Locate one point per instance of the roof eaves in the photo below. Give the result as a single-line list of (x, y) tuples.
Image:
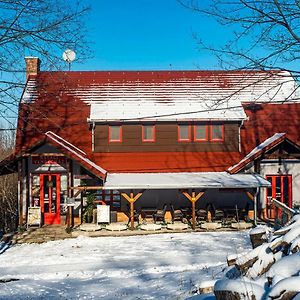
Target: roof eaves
[(256, 152)]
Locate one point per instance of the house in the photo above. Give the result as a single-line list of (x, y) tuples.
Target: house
[(145, 139)]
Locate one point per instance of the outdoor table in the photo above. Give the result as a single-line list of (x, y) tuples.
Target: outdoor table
[(147, 212)]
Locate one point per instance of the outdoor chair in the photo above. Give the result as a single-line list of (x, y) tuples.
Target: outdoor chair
[(201, 214), (216, 214), (160, 214), (243, 213), (176, 214)]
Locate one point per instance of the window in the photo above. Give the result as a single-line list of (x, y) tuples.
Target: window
[(217, 132), (115, 133), (148, 133), (184, 133), (201, 132)]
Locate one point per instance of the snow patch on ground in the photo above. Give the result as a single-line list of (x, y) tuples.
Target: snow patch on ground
[(164, 266)]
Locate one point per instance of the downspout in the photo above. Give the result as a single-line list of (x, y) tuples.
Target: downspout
[(255, 206), (93, 137), (240, 147)]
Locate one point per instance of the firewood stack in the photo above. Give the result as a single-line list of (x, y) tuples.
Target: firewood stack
[(270, 271)]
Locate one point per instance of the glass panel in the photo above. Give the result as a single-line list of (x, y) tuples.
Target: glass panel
[(184, 132), (269, 189), (217, 132), (115, 133), (286, 190), (35, 192), (46, 194), (148, 132), (54, 194), (200, 132), (278, 188)]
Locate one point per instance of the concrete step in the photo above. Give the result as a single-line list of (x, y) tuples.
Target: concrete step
[(42, 234)]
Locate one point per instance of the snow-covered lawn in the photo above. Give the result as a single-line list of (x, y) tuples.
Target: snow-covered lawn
[(162, 266)]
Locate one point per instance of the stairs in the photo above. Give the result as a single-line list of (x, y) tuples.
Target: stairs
[(41, 234)]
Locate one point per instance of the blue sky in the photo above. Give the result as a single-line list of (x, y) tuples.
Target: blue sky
[(147, 35)]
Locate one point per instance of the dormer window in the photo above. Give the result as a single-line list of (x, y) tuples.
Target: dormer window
[(217, 132), (148, 133), (115, 133), (184, 133)]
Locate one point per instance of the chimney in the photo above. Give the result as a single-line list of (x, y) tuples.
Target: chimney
[(32, 66)]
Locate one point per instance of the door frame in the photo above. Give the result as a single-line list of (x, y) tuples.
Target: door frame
[(50, 217), (272, 211)]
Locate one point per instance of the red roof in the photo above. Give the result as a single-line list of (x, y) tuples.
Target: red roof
[(48, 105), (266, 119)]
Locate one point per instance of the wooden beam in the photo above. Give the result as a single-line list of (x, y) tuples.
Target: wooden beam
[(86, 188), (131, 199), (193, 198)]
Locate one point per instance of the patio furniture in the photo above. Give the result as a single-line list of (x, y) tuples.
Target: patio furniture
[(216, 214), (176, 214), (230, 213), (201, 214), (160, 214), (147, 212), (187, 213)]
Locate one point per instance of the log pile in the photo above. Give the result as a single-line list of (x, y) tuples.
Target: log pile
[(271, 270)]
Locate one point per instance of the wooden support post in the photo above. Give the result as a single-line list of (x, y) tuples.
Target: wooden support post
[(194, 198), (254, 199), (131, 199)]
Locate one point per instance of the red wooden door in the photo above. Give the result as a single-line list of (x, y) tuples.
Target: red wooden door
[(50, 198), (281, 190)]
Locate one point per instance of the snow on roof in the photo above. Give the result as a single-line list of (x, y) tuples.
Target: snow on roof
[(173, 94), (74, 150), (182, 180), (151, 110), (268, 143)]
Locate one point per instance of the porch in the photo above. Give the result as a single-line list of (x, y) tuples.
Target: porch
[(163, 198)]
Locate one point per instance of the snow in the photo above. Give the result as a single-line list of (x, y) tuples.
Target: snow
[(74, 150), (287, 266), (257, 150), (291, 284), (246, 289), (152, 110), (160, 266), (182, 180), (259, 229)]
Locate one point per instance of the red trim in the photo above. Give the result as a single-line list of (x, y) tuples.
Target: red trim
[(50, 217), (206, 133), (153, 134), (109, 134), (211, 132), (272, 211), (189, 132)]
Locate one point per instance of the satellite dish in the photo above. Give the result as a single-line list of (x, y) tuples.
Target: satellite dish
[(69, 55)]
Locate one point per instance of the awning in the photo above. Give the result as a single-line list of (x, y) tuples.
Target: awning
[(197, 180)]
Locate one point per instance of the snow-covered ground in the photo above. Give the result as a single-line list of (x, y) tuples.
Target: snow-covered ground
[(162, 266)]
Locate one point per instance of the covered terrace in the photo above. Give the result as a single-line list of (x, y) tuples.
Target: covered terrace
[(193, 186)]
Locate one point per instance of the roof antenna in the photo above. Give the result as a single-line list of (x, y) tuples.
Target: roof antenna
[(69, 56)]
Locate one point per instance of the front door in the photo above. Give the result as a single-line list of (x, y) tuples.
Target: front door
[(280, 190), (50, 198)]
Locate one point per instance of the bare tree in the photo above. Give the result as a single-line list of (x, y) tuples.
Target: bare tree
[(264, 34), (41, 28), (8, 187)]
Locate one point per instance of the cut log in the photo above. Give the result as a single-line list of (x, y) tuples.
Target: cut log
[(258, 236)]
